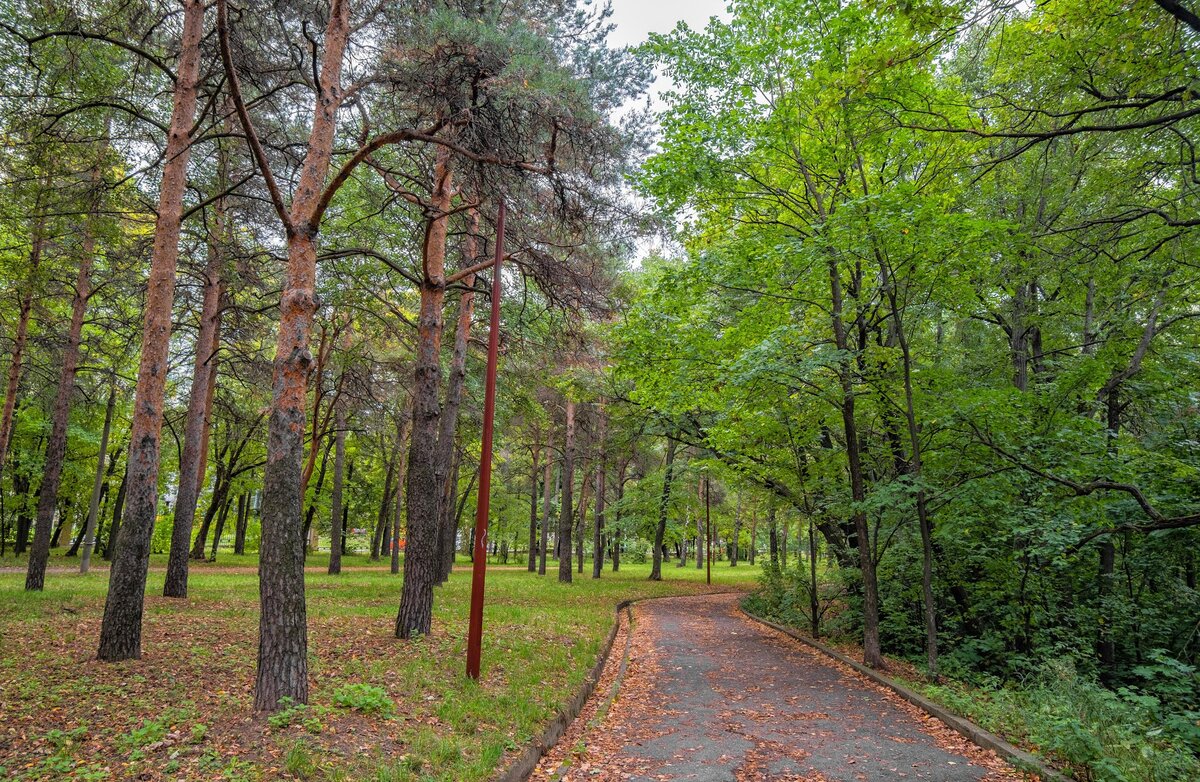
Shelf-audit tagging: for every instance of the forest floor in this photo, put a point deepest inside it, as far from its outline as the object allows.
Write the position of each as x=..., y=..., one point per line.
x=711, y=695
x=380, y=709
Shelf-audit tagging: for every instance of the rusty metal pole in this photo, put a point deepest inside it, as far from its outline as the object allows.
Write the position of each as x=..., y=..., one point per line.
x=479, y=566
x=707, y=533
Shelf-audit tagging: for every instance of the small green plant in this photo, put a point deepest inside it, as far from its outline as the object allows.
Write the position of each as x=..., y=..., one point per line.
x=299, y=761
x=366, y=698
x=150, y=731
x=199, y=731
x=289, y=713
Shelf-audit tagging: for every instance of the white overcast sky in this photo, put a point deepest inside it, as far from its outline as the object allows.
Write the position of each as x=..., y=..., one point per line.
x=636, y=19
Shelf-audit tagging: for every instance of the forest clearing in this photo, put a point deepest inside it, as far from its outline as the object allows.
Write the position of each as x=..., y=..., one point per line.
x=358, y=360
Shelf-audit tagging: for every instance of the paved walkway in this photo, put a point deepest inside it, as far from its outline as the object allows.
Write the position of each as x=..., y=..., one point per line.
x=712, y=696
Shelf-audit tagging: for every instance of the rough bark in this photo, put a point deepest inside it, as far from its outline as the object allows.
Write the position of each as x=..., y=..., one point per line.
x=660, y=530
x=283, y=635
x=56, y=444
x=121, y=629
x=565, y=515
x=421, y=564
x=444, y=453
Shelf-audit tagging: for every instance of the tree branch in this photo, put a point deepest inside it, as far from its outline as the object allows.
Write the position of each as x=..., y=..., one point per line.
x=235, y=94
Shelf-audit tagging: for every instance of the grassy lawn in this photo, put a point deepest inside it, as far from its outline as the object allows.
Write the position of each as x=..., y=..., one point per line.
x=380, y=709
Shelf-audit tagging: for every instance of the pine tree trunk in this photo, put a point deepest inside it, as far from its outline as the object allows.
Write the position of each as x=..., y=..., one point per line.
x=422, y=567
x=448, y=419
x=121, y=629
x=195, y=432
x=56, y=445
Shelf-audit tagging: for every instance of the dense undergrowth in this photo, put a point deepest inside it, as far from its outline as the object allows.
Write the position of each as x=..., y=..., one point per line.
x=1146, y=729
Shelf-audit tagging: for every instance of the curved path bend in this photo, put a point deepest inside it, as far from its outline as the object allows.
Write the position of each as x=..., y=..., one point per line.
x=712, y=696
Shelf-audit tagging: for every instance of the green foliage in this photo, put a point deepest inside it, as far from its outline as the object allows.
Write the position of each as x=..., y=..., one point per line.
x=367, y=698
x=1102, y=735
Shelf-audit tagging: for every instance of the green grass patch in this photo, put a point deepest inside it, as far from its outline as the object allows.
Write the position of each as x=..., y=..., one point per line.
x=380, y=708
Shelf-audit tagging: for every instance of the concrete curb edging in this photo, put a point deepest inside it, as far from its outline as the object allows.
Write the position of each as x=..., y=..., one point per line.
x=1021, y=759
x=520, y=769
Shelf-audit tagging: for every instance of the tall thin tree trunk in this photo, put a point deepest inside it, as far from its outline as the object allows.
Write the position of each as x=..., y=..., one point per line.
x=221, y=518
x=21, y=335
x=195, y=432
x=114, y=528
x=89, y=535
x=773, y=531
x=814, y=603
x=753, y=534
x=422, y=567
x=616, y=537
x=533, y=512
x=598, y=529
x=660, y=530
x=335, y=513
x=445, y=453
x=737, y=533
x=547, y=498
x=243, y=521
x=385, y=505
x=872, y=654
x=121, y=629
x=915, y=468
x=56, y=445
x=406, y=419
x=565, y=514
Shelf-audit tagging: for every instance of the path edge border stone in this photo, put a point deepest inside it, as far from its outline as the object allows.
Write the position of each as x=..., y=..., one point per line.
x=1022, y=760
x=525, y=763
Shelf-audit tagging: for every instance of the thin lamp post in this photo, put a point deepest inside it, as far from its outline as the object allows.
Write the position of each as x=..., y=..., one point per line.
x=479, y=566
